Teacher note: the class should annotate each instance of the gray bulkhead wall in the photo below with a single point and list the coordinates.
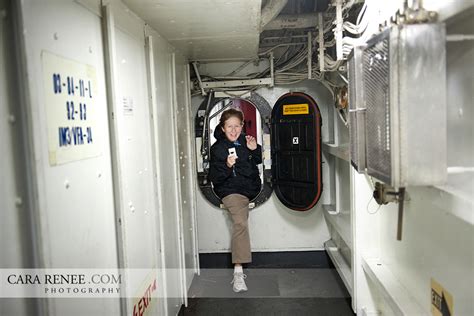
(186, 164)
(78, 221)
(273, 227)
(166, 170)
(171, 94)
(74, 201)
(133, 150)
(15, 220)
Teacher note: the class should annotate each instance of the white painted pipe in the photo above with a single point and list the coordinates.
(417, 4)
(321, 42)
(459, 37)
(310, 53)
(338, 30)
(460, 170)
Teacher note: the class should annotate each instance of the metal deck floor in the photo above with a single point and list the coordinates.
(271, 292)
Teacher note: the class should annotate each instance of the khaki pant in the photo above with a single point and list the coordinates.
(238, 206)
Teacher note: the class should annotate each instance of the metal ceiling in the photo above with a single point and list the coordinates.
(205, 29)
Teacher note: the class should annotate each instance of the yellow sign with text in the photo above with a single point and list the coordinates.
(441, 300)
(295, 109)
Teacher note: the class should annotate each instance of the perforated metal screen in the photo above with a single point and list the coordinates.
(403, 84)
(352, 113)
(356, 111)
(354, 136)
(352, 83)
(377, 96)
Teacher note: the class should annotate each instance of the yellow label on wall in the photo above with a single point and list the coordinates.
(441, 300)
(295, 109)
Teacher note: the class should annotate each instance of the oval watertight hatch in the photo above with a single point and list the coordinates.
(256, 115)
(296, 151)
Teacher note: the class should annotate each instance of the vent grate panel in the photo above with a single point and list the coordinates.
(352, 83)
(354, 138)
(377, 96)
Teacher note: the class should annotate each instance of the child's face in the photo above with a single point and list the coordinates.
(232, 128)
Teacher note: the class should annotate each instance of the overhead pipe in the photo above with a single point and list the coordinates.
(417, 4)
(338, 29)
(199, 78)
(321, 42)
(459, 37)
(460, 170)
(310, 53)
(270, 11)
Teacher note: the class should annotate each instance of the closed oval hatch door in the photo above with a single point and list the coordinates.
(296, 151)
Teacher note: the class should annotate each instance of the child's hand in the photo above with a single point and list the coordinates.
(231, 160)
(251, 142)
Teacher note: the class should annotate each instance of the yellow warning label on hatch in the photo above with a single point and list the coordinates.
(294, 109)
(441, 300)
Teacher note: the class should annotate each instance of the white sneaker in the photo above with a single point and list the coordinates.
(239, 283)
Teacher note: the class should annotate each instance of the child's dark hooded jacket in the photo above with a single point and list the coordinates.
(244, 178)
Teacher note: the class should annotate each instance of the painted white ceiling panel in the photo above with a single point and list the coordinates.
(205, 29)
(218, 48)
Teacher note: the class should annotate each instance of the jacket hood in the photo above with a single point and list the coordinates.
(219, 133)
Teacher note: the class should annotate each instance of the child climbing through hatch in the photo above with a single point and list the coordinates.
(236, 180)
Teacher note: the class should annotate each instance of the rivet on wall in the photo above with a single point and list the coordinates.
(18, 201)
(66, 184)
(11, 119)
(56, 36)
